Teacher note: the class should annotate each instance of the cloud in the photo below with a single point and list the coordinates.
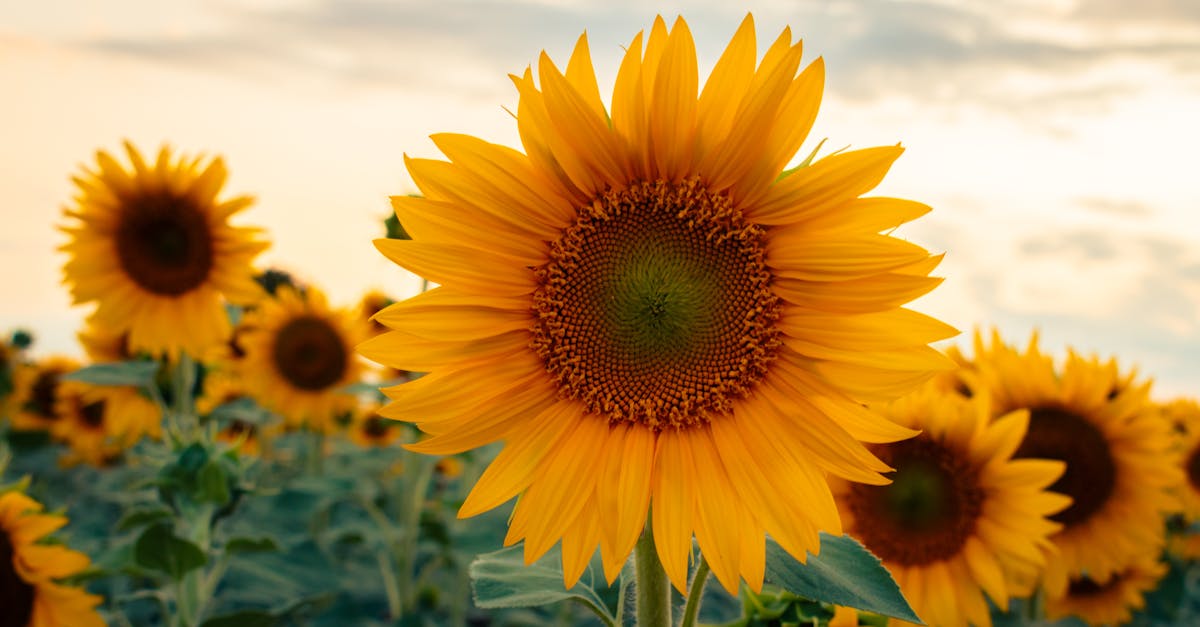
(1120, 208)
(930, 50)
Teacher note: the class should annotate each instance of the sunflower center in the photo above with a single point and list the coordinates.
(236, 428)
(1193, 468)
(164, 244)
(655, 306)
(92, 414)
(41, 397)
(376, 427)
(1091, 471)
(1087, 587)
(16, 595)
(928, 511)
(309, 353)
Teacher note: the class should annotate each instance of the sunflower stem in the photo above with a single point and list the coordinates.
(653, 587)
(184, 379)
(695, 593)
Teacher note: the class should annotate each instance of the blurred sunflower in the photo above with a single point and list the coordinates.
(37, 392)
(102, 345)
(961, 516)
(647, 306)
(1121, 471)
(373, 302)
(153, 247)
(99, 422)
(1112, 600)
(1184, 418)
(369, 429)
(29, 596)
(300, 354)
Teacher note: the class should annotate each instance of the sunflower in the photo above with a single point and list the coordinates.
(99, 422)
(645, 306)
(154, 248)
(103, 345)
(369, 429)
(1183, 418)
(37, 391)
(1121, 470)
(299, 356)
(372, 303)
(1111, 601)
(29, 595)
(961, 516)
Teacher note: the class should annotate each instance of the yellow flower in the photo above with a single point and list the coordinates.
(961, 516)
(103, 345)
(1121, 467)
(369, 429)
(646, 307)
(1110, 601)
(36, 392)
(153, 247)
(29, 569)
(299, 355)
(99, 422)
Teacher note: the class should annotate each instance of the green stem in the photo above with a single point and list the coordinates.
(695, 594)
(193, 591)
(184, 379)
(314, 453)
(653, 587)
(405, 551)
(389, 585)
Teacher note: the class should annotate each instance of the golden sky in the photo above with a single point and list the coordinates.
(1054, 139)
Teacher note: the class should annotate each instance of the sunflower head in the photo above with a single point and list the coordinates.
(647, 305)
(1110, 600)
(1120, 456)
(31, 568)
(369, 429)
(104, 345)
(98, 423)
(152, 246)
(36, 392)
(961, 516)
(300, 354)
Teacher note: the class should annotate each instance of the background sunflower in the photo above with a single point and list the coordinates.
(153, 248)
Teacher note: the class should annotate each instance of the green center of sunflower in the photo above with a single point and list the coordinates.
(655, 306)
(42, 395)
(1091, 472)
(309, 353)
(164, 244)
(928, 511)
(16, 595)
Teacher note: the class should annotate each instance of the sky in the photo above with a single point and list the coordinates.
(1053, 138)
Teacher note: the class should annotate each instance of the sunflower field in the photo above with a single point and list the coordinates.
(661, 373)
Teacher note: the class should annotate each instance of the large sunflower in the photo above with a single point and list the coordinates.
(37, 392)
(153, 246)
(645, 306)
(961, 516)
(1121, 467)
(300, 354)
(1112, 601)
(29, 594)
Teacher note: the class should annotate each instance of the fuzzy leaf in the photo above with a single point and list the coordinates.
(138, 373)
(845, 573)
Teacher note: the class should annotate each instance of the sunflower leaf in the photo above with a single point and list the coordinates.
(158, 548)
(137, 373)
(502, 580)
(845, 573)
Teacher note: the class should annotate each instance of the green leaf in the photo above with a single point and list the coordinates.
(502, 580)
(138, 373)
(213, 483)
(243, 618)
(251, 545)
(139, 517)
(158, 548)
(845, 573)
